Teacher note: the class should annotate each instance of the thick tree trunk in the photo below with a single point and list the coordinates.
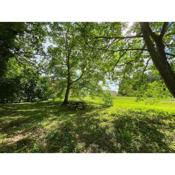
(156, 49)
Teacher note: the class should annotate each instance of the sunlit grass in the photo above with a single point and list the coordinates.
(126, 126)
(166, 105)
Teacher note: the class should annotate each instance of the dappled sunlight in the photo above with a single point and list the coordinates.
(50, 127)
(125, 133)
(87, 87)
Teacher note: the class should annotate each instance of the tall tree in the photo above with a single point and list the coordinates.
(156, 39)
(73, 63)
(156, 47)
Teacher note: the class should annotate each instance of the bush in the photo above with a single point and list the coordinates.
(107, 99)
(17, 90)
(9, 90)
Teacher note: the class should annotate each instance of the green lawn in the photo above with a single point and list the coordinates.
(167, 105)
(127, 126)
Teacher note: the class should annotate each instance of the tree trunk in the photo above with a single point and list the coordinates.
(156, 50)
(66, 97)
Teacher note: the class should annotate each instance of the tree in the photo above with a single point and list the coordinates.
(8, 34)
(143, 85)
(157, 41)
(21, 51)
(83, 56)
(156, 48)
(73, 63)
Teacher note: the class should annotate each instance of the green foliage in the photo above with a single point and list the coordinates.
(39, 61)
(9, 90)
(153, 92)
(23, 83)
(78, 56)
(143, 86)
(15, 90)
(107, 99)
(74, 65)
(156, 90)
(8, 34)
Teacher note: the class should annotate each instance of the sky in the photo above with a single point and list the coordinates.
(112, 85)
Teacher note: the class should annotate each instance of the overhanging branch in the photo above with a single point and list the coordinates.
(119, 37)
(164, 29)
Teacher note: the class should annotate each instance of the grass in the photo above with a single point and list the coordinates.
(166, 105)
(126, 126)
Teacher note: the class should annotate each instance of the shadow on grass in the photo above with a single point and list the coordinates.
(21, 125)
(126, 133)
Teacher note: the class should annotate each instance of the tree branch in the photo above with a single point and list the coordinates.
(78, 77)
(119, 37)
(124, 49)
(170, 54)
(164, 29)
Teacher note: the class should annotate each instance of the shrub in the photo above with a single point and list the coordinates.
(107, 99)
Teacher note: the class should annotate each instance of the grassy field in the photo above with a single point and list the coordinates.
(126, 126)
